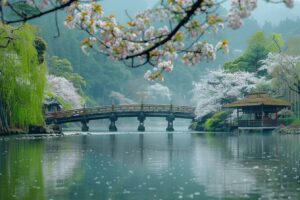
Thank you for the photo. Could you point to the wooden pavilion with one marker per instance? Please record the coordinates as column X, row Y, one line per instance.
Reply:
column 52, row 105
column 258, row 111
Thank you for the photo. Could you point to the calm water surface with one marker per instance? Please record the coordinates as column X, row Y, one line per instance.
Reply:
column 150, row 166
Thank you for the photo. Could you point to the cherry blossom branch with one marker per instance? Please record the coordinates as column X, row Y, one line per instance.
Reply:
column 27, row 18
column 189, row 14
column 155, row 36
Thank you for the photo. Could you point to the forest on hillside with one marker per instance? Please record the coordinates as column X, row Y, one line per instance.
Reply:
column 79, row 79
column 97, row 69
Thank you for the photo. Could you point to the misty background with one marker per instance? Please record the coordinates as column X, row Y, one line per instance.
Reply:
column 111, row 82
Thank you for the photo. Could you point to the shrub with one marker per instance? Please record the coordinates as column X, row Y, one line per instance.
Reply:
column 218, row 122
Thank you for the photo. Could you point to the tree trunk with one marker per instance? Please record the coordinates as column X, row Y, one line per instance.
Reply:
column 4, row 126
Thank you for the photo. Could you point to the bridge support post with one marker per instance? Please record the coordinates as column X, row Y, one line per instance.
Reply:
column 141, row 118
column 112, row 127
column 170, row 120
column 56, row 128
column 84, row 126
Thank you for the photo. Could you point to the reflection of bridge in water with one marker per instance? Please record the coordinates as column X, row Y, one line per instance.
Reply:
column 113, row 112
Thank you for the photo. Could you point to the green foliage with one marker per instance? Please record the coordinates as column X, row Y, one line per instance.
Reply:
column 103, row 75
column 31, row 170
column 258, row 48
column 100, row 74
column 293, row 45
column 217, row 122
column 22, row 80
column 59, row 67
column 271, row 43
column 64, row 68
column 287, row 117
column 41, row 47
column 24, row 8
column 50, row 94
column 295, row 121
column 249, row 61
column 288, row 121
column 198, row 125
column 212, row 122
column 264, row 87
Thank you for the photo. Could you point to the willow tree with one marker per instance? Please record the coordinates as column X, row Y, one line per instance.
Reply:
column 22, row 78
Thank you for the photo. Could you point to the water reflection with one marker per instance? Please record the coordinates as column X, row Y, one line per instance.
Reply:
column 141, row 148
column 218, row 170
column 112, row 145
column 61, row 165
column 150, row 166
column 21, row 170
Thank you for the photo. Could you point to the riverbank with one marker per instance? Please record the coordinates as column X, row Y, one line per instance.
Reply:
column 13, row 131
column 33, row 130
column 288, row 130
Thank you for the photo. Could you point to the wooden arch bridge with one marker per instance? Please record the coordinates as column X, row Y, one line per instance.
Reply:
column 113, row 112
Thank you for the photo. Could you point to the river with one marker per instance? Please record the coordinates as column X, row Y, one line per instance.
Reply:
column 153, row 165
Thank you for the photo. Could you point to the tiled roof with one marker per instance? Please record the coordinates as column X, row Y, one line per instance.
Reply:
column 258, row 99
column 51, row 101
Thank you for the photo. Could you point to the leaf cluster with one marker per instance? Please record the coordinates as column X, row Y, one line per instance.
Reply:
column 217, row 122
column 22, row 80
column 260, row 45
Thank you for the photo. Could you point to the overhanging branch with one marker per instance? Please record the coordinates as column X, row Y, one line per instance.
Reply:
column 25, row 18
column 186, row 19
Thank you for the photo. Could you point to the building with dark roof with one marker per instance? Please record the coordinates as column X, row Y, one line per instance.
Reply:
column 258, row 111
column 52, row 105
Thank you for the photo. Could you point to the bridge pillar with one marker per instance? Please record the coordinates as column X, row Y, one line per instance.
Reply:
column 57, row 128
column 170, row 120
column 112, row 127
column 84, row 126
column 141, row 118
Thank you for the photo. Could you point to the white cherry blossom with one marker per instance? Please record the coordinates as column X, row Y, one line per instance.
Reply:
column 219, row 88
column 64, row 88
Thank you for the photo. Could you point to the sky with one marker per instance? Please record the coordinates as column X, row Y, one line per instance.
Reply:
column 118, row 7
column 273, row 13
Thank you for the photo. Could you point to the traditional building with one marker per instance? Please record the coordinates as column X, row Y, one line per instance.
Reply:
column 258, row 111
column 52, row 105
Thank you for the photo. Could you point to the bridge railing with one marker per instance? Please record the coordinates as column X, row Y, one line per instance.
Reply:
column 122, row 108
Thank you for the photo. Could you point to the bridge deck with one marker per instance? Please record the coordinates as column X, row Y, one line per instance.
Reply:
column 149, row 110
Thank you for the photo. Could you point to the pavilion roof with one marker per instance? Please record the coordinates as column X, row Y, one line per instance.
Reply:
column 258, row 99
column 51, row 101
